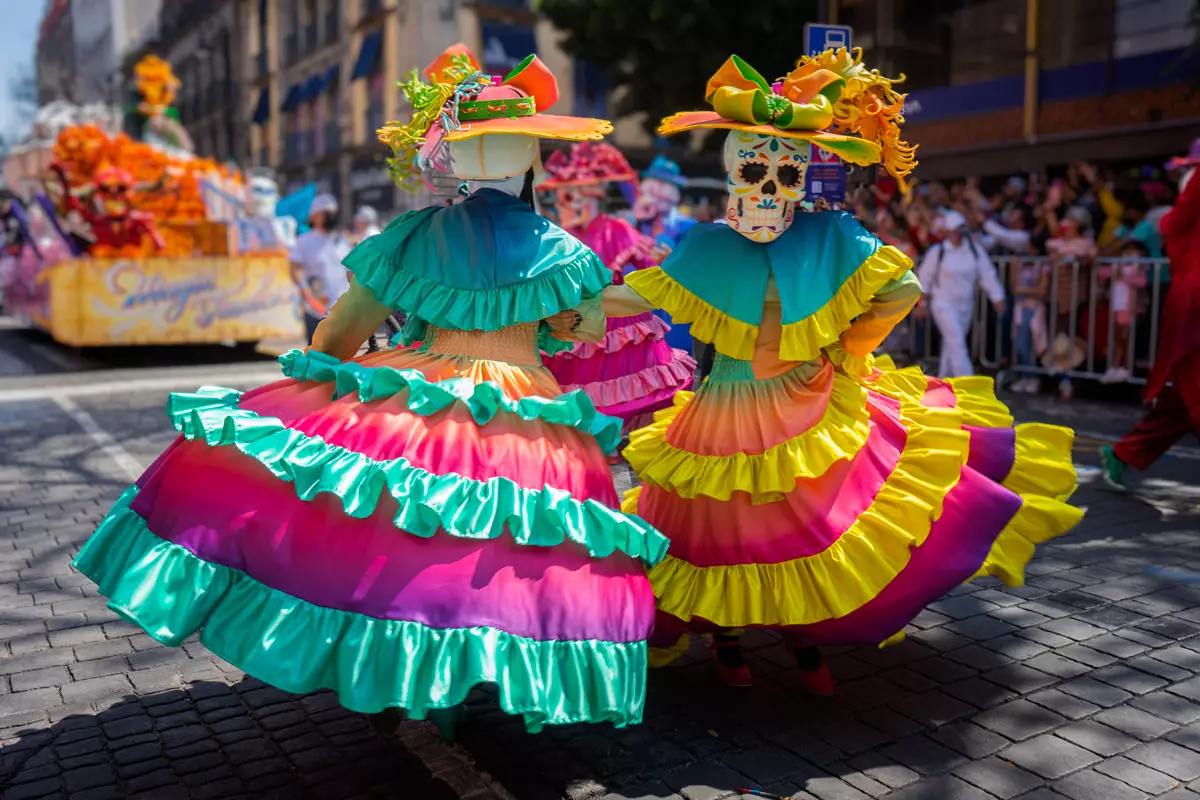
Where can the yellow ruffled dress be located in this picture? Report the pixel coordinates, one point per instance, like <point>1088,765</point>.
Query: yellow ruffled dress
<point>805,487</point>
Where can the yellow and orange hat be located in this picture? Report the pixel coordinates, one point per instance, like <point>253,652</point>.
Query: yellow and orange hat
<point>830,99</point>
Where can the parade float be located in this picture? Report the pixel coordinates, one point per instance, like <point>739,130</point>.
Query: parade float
<point>136,241</point>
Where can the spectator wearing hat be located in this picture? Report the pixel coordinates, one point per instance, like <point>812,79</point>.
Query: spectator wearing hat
<point>950,274</point>
<point>366,223</point>
<point>316,262</point>
<point>657,214</point>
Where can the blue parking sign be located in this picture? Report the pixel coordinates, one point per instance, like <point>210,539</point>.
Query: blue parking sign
<point>826,177</point>
<point>825,37</point>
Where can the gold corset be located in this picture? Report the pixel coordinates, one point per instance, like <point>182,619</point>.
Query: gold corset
<point>515,344</point>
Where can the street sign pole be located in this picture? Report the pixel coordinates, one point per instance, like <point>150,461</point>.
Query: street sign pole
<point>826,176</point>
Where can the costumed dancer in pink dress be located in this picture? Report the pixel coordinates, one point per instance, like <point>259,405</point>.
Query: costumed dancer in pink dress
<point>633,372</point>
<point>403,526</point>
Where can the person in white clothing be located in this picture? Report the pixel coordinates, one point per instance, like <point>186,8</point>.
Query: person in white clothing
<point>950,273</point>
<point>366,223</point>
<point>316,262</point>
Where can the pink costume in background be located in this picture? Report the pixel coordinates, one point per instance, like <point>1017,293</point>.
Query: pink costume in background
<point>633,372</point>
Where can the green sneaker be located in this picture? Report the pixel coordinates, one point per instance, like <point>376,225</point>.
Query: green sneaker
<point>1113,469</point>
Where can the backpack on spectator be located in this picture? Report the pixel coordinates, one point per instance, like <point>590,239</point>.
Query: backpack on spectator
<point>940,247</point>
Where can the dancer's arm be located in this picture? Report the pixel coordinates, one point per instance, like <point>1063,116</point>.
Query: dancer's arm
<point>888,307</point>
<point>623,301</point>
<point>355,316</point>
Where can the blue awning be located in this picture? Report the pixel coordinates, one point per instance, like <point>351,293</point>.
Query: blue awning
<point>330,79</point>
<point>312,88</point>
<point>262,112</point>
<point>368,56</point>
<point>292,99</point>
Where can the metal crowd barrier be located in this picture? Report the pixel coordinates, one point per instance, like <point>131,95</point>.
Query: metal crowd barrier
<point>1080,309</point>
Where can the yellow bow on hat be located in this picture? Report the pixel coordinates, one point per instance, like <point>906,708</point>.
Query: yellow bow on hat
<point>802,102</point>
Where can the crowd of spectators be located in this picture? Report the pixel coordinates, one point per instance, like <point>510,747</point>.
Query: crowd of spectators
<point>1076,243</point>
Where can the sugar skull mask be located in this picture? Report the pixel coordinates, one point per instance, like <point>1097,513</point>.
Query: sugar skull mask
<point>655,199</point>
<point>766,181</point>
<point>577,205</point>
<point>264,196</point>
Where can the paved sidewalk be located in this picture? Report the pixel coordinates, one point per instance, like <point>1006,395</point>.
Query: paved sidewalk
<point>91,707</point>
<point>1083,684</point>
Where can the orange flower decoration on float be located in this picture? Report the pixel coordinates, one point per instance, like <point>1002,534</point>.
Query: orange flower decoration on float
<point>80,149</point>
<point>157,84</point>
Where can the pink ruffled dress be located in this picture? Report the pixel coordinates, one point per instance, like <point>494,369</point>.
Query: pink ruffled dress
<point>633,372</point>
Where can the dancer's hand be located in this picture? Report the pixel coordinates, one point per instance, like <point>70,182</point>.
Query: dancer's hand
<point>565,321</point>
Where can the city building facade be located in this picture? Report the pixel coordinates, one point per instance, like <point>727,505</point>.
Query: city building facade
<point>322,77</point>
<point>98,32</point>
<point>55,54</point>
<point>998,86</point>
<point>203,42</point>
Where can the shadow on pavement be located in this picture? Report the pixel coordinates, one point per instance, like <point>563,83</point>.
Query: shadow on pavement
<point>214,740</point>
<point>979,671</point>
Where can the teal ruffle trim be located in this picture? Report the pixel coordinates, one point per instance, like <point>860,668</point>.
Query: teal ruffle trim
<point>463,507</point>
<point>477,309</point>
<point>371,663</point>
<point>550,345</point>
<point>483,400</point>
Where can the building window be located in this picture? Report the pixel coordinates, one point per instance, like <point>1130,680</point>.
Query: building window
<point>1074,32</point>
<point>333,133</point>
<point>291,137</point>
<point>303,129</point>
<point>333,22</point>
<point>374,104</point>
<point>1152,26</point>
<point>987,40</point>
<point>320,115</point>
<point>290,27</point>
<point>310,25</point>
<point>936,43</point>
<point>263,29</point>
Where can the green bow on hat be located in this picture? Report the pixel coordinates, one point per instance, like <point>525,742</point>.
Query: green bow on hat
<point>738,92</point>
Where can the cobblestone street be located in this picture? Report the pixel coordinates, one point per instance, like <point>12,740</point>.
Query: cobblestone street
<point>1082,684</point>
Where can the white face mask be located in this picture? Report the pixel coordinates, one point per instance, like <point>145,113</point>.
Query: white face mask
<point>655,199</point>
<point>577,205</point>
<point>766,182</point>
<point>264,197</point>
<point>1187,176</point>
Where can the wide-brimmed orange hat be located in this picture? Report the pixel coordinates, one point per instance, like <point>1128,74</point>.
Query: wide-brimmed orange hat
<point>829,99</point>
<point>462,103</point>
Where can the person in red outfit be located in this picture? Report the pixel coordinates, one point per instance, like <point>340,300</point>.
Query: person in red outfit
<point>1174,383</point>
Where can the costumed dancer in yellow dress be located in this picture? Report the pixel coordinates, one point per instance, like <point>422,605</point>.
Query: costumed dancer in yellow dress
<point>804,487</point>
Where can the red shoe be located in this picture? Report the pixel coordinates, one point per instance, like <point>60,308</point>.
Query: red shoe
<point>738,677</point>
<point>819,681</point>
